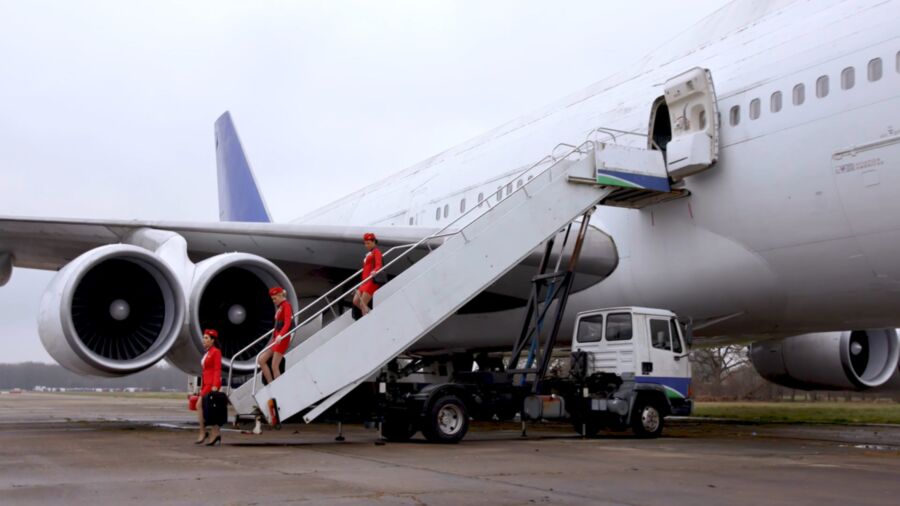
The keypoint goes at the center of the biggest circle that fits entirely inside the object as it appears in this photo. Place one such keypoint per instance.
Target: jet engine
(230, 293)
(850, 360)
(112, 311)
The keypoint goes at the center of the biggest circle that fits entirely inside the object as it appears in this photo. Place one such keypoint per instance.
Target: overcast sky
(107, 108)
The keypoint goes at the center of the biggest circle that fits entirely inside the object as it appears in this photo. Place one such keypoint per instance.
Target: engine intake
(230, 293)
(850, 360)
(112, 311)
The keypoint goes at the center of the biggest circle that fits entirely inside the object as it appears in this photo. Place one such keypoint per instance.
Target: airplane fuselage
(795, 229)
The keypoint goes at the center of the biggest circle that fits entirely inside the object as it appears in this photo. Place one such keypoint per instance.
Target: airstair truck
(628, 367)
(438, 396)
(638, 387)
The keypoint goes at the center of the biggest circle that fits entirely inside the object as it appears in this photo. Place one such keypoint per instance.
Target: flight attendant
(284, 319)
(372, 263)
(211, 380)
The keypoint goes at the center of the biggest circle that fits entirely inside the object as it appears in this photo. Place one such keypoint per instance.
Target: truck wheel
(647, 419)
(446, 421)
(398, 429)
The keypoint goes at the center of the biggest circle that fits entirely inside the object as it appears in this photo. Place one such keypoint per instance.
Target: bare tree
(719, 363)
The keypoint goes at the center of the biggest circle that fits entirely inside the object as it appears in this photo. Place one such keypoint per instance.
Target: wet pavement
(86, 449)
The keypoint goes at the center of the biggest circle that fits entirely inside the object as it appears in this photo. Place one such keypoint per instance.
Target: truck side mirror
(688, 329)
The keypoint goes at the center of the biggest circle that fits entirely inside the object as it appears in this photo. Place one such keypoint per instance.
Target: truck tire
(446, 421)
(647, 418)
(398, 429)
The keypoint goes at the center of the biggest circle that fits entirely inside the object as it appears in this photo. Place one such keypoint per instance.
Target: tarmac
(102, 449)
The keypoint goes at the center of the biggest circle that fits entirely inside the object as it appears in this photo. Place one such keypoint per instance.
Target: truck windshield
(676, 342)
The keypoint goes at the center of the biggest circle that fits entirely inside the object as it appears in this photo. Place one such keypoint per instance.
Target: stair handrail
(294, 316)
(611, 132)
(582, 148)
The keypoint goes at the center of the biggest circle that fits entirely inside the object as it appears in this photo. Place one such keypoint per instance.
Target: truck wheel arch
(654, 393)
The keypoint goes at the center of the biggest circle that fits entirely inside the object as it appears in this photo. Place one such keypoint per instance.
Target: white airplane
(786, 233)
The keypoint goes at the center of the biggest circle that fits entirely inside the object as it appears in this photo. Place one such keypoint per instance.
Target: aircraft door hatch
(660, 126)
(694, 117)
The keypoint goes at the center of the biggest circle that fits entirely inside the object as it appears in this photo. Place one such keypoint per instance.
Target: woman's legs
(357, 297)
(364, 302)
(214, 433)
(264, 365)
(276, 364)
(202, 435)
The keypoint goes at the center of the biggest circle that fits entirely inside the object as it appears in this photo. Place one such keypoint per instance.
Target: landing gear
(447, 421)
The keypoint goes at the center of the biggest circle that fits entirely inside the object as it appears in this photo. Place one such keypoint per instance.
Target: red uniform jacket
(212, 370)
(283, 319)
(371, 263)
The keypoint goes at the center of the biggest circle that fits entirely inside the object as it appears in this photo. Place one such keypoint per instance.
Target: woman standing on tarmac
(372, 263)
(284, 319)
(212, 380)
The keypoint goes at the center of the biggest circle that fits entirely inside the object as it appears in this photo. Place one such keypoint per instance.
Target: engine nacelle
(229, 293)
(850, 360)
(112, 311)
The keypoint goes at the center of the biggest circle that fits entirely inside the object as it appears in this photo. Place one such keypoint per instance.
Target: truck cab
(632, 362)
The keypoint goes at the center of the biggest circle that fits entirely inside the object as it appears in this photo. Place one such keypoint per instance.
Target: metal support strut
(546, 287)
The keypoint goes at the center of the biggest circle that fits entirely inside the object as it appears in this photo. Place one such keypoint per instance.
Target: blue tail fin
(239, 198)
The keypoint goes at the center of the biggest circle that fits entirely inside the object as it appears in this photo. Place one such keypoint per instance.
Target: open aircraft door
(694, 116)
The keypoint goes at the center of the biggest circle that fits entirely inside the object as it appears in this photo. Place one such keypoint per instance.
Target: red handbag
(192, 402)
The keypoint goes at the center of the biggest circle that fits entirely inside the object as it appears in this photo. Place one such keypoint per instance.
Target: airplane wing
(319, 255)
(327, 252)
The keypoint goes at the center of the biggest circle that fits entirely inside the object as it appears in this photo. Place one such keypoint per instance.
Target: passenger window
(508, 188)
(754, 108)
(848, 78)
(659, 335)
(518, 184)
(590, 329)
(775, 102)
(676, 342)
(437, 214)
(735, 115)
(410, 220)
(499, 193)
(618, 327)
(446, 210)
(530, 178)
(462, 206)
(822, 87)
(799, 94)
(480, 197)
(874, 70)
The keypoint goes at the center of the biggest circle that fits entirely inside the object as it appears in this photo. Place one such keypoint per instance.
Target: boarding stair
(475, 250)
